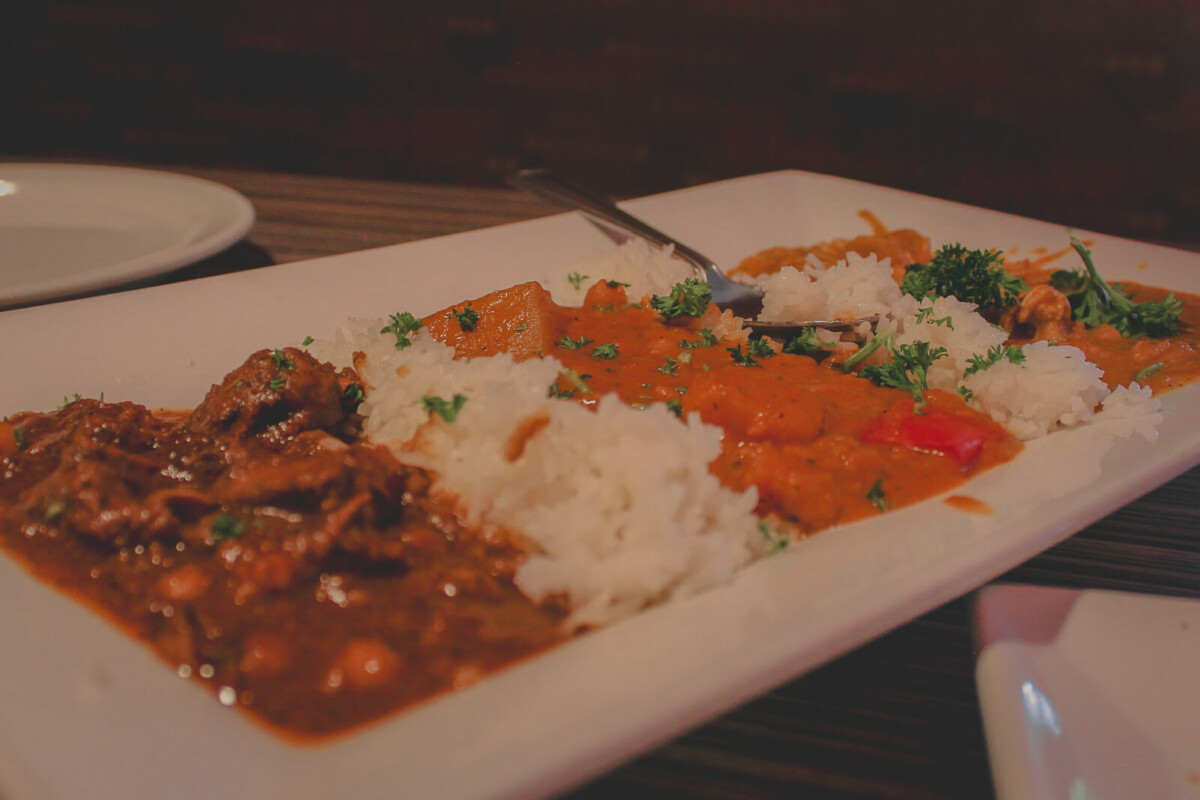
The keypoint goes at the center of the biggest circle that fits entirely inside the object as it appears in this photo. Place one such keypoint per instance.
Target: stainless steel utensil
(742, 299)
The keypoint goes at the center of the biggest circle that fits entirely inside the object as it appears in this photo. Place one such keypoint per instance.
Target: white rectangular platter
(87, 712)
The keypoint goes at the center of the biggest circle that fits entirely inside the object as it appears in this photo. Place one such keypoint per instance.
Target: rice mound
(617, 505)
(853, 288)
(949, 322)
(1128, 402)
(647, 270)
(1055, 386)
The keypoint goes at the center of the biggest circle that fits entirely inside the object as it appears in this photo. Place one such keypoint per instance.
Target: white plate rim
(229, 215)
(778, 619)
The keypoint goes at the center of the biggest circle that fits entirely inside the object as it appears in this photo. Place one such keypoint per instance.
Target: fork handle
(548, 186)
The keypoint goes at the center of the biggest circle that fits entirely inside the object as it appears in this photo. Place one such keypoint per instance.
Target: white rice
(854, 288)
(1055, 386)
(647, 269)
(950, 323)
(617, 504)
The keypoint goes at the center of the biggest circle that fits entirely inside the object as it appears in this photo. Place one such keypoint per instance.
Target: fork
(743, 299)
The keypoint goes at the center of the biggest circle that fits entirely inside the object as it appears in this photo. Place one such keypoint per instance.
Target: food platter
(66, 229)
(79, 686)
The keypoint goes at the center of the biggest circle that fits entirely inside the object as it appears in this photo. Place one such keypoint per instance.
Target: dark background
(1084, 113)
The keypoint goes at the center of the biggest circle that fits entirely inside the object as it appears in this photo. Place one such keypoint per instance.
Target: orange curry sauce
(1120, 357)
(820, 445)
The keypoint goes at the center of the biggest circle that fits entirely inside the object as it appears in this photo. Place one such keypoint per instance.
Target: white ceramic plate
(133, 729)
(67, 229)
(1089, 694)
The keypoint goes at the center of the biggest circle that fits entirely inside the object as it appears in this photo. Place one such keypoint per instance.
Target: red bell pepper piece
(933, 430)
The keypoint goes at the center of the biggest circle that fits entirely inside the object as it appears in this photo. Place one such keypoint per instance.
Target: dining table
(898, 717)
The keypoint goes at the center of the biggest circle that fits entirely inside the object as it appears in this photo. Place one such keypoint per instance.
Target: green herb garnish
(670, 367)
(1095, 303)
(277, 383)
(19, 437)
(806, 343)
(576, 279)
(226, 526)
(446, 409)
(876, 495)
(567, 343)
(740, 358)
(307, 341)
(281, 360)
(353, 394)
(572, 379)
(994, 356)
(605, 351)
(467, 318)
(923, 316)
(687, 299)
(675, 407)
(907, 370)
(1147, 371)
(775, 542)
(973, 276)
(760, 347)
(705, 338)
(401, 326)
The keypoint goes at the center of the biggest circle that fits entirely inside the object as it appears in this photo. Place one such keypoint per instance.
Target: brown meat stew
(304, 577)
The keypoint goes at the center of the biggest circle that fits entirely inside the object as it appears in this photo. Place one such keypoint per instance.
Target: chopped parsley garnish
(281, 360)
(19, 437)
(740, 358)
(775, 542)
(994, 356)
(226, 526)
(572, 379)
(877, 496)
(806, 343)
(524, 326)
(687, 299)
(353, 395)
(446, 409)
(615, 284)
(75, 398)
(567, 343)
(401, 326)
(277, 383)
(576, 279)
(973, 276)
(1095, 303)
(467, 318)
(675, 407)
(885, 339)
(307, 341)
(605, 351)
(1140, 376)
(907, 370)
(705, 338)
(670, 367)
(923, 316)
(760, 347)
